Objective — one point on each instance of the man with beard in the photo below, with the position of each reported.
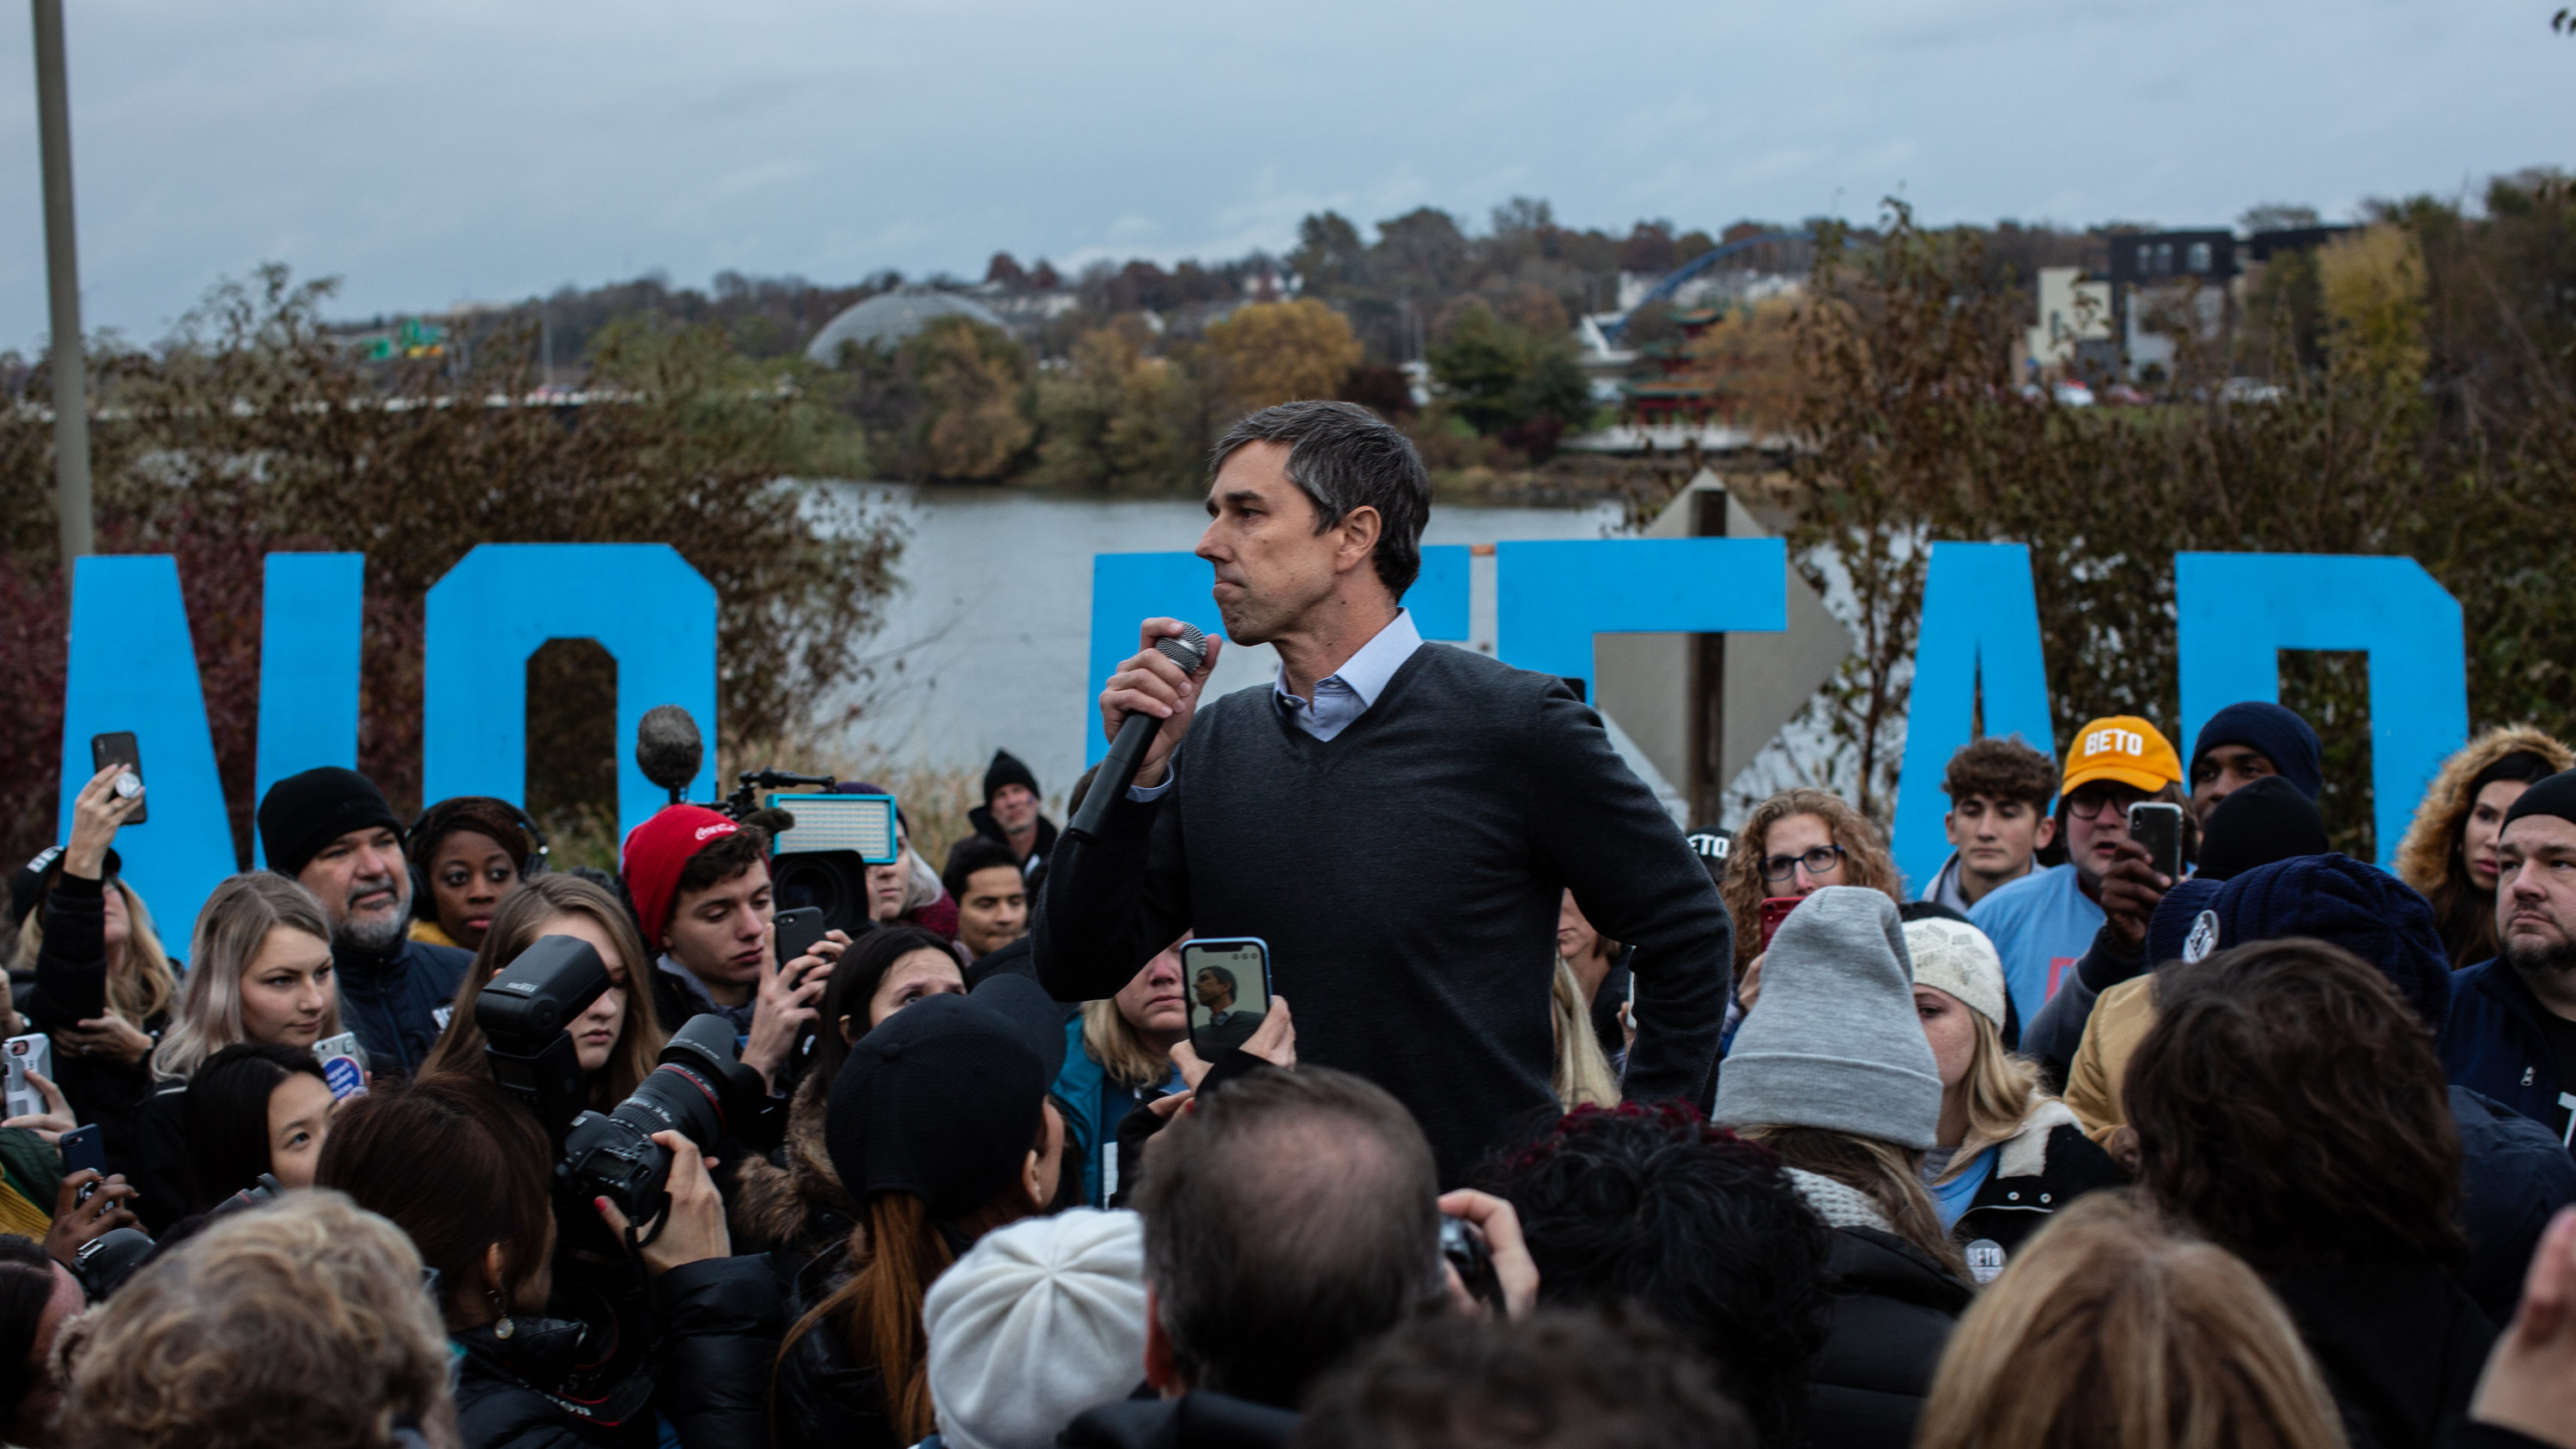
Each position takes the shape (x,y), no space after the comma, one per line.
(2511,1032)
(331,830)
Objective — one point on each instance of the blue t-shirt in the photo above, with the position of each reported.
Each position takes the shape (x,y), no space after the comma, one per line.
(2041,924)
(1953,1197)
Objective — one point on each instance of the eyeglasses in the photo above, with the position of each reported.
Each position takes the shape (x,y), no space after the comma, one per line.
(2086,804)
(1817,861)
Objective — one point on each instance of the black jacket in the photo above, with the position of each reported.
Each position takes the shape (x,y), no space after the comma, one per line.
(157,1165)
(2049,1165)
(1892,1314)
(825,1397)
(398,1001)
(69,986)
(2514,1177)
(721,1321)
(2400,1345)
(1192,1421)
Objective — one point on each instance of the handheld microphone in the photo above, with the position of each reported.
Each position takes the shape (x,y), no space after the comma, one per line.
(1126,754)
(668,749)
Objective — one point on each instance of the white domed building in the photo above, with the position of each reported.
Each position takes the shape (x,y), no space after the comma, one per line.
(886,320)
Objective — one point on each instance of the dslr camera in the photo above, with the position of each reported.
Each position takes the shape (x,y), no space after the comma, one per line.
(696,1087)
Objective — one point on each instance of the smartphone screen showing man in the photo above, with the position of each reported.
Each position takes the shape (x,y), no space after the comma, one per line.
(1229,992)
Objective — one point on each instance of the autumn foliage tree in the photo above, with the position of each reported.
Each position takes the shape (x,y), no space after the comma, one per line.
(251,430)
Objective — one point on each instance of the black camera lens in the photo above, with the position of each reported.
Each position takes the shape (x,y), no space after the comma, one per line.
(694,1090)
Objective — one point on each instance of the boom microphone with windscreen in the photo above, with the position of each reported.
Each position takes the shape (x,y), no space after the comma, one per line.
(1187,649)
(668,749)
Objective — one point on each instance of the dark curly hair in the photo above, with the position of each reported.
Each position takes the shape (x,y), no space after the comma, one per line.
(2002,767)
(2290,1106)
(1556,1379)
(1652,1206)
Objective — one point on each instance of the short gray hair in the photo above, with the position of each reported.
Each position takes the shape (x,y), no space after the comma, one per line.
(1342,456)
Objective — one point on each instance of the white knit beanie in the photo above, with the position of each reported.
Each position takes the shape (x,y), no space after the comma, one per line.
(1956,957)
(1038,1322)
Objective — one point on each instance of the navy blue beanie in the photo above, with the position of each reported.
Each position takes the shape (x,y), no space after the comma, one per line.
(2333,898)
(2278,734)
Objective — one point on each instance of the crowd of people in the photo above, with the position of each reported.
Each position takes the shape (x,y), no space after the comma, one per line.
(2073,1144)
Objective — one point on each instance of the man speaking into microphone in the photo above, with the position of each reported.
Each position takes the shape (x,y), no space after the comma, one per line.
(1397,820)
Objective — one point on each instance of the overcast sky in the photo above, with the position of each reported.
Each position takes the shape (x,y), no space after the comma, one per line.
(450,150)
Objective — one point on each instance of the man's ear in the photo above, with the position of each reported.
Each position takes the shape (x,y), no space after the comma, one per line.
(1162,1366)
(2046,833)
(1360,529)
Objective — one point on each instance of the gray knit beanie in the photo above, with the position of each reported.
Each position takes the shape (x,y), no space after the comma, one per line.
(1834,1041)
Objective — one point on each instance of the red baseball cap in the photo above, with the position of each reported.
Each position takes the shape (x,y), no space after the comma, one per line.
(656,852)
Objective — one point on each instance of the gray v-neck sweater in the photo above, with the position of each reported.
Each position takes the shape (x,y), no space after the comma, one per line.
(1406,876)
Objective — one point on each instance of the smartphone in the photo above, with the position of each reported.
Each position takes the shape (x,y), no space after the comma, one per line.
(82,1150)
(344,1065)
(117,747)
(1776,909)
(1227,981)
(796,932)
(2158,826)
(30,1053)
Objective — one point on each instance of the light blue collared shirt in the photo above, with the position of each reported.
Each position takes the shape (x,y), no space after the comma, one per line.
(1341,696)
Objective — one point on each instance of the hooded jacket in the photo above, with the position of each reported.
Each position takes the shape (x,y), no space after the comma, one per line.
(2428,858)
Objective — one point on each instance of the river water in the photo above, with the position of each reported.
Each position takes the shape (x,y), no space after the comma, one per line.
(986,645)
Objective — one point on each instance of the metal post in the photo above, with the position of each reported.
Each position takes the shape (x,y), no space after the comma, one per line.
(62,275)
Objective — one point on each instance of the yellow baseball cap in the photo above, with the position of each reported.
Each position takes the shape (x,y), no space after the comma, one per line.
(2124,748)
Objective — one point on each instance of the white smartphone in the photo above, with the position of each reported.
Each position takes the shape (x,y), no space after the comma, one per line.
(30,1053)
(344,1064)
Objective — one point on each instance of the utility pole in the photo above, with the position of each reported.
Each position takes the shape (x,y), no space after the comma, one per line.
(62,275)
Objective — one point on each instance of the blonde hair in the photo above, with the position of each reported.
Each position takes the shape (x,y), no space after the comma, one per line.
(1124,1056)
(146,986)
(1889,1175)
(1583,1077)
(2003,1090)
(516,924)
(2110,1331)
(1865,860)
(299,1323)
(232,928)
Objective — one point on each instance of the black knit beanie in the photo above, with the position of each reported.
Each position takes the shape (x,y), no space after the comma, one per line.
(303,813)
(2553,796)
(2278,734)
(943,1100)
(2265,821)
(1006,769)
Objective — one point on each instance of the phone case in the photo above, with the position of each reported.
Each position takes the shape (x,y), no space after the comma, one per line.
(344,1064)
(34,1052)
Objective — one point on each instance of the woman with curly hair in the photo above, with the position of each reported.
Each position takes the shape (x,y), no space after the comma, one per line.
(1795,844)
(2449,853)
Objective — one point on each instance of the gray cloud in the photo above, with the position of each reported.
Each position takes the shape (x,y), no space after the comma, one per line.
(471,149)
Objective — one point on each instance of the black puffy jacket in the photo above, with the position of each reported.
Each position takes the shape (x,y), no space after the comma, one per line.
(1892,1314)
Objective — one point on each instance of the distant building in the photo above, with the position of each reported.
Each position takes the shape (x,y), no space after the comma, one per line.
(887,319)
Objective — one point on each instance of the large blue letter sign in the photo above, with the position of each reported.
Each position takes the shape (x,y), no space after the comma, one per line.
(1980,626)
(1129,588)
(311,609)
(133,667)
(1551,596)
(2235,612)
(655,615)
